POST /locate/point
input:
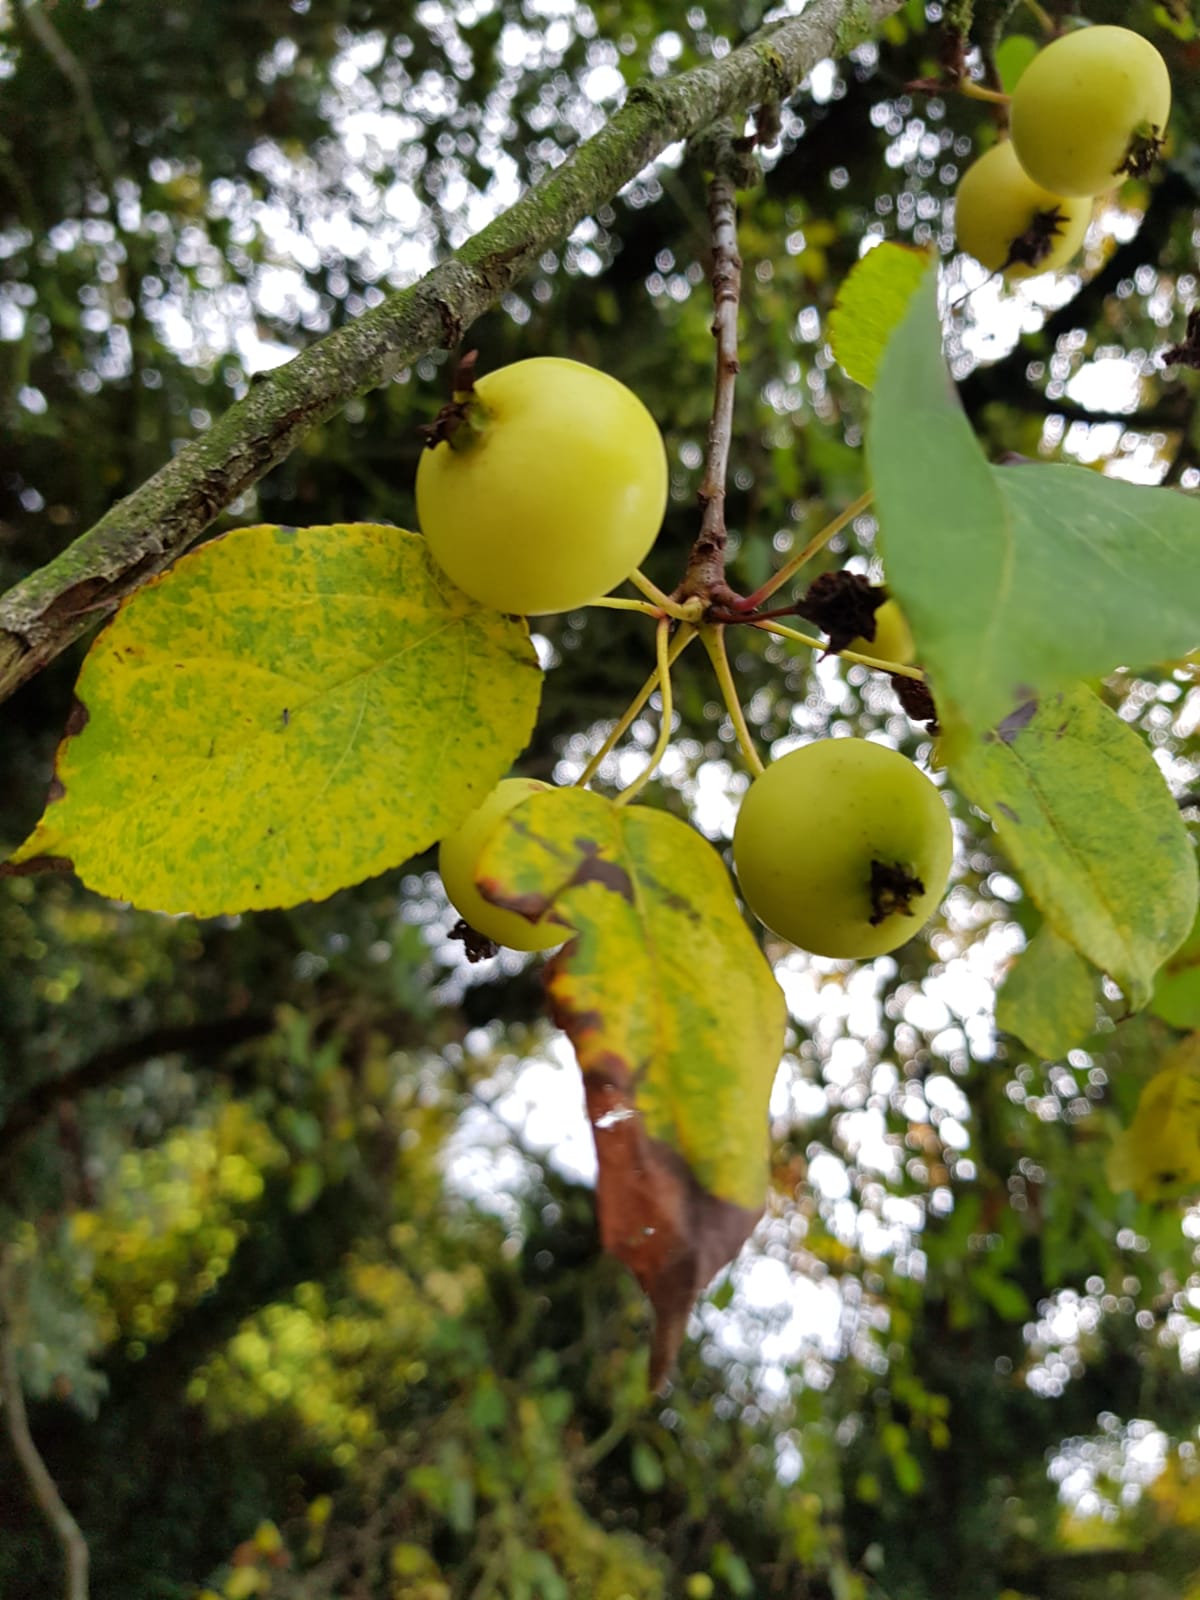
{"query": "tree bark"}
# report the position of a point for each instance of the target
(145, 532)
(198, 1040)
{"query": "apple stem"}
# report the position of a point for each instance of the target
(1043, 18)
(662, 676)
(751, 602)
(678, 645)
(612, 603)
(895, 669)
(714, 642)
(462, 409)
(705, 575)
(689, 611)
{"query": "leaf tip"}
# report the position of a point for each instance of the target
(673, 1234)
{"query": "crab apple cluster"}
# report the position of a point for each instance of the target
(842, 847)
(543, 488)
(1089, 110)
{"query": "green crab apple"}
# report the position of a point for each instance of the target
(893, 639)
(844, 847)
(549, 492)
(458, 854)
(1089, 109)
(1011, 224)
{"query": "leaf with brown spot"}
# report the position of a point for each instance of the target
(677, 1023)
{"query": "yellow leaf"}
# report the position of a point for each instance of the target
(243, 1582)
(676, 1020)
(870, 303)
(289, 710)
(1158, 1155)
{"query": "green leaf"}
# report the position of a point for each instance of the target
(676, 1020)
(1016, 580)
(1174, 21)
(289, 710)
(1158, 1155)
(488, 1410)
(1176, 997)
(1083, 813)
(1013, 55)
(722, 1296)
(1048, 996)
(869, 305)
(733, 1571)
(1006, 1298)
(647, 1469)
(307, 1182)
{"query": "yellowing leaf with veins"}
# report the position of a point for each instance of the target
(287, 711)
(677, 1022)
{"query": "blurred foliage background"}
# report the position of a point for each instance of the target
(299, 1261)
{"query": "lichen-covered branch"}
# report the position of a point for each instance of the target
(147, 530)
(42, 1486)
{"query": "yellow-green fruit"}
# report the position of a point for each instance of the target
(1087, 107)
(1010, 223)
(893, 639)
(550, 493)
(457, 856)
(843, 847)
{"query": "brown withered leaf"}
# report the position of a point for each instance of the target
(677, 1023)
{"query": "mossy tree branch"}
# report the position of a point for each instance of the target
(146, 531)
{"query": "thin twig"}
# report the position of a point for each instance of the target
(705, 575)
(42, 1486)
(35, 17)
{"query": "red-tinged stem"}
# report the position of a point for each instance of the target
(751, 602)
